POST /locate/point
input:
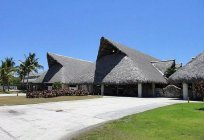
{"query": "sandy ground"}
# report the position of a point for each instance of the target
(61, 120)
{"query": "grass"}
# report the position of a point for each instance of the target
(176, 122)
(21, 100)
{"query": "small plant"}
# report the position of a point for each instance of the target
(57, 85)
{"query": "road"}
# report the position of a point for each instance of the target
(58, 120)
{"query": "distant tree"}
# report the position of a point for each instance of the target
(15, 81)
(7, 70)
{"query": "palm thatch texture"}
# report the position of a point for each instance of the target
(63, 69)
(32, 77)
(191, 72)
(115, 64)
(164, 66)
(118, 64)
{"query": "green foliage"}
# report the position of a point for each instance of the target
(15, 81)
(170, 71)
(57, 85)
(21, 71)
(30, 64)
(7, 70)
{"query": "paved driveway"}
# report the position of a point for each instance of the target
(54, 121)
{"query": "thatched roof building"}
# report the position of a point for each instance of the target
(118, 64)
(31, 78)
(191, 72)
(63, 69)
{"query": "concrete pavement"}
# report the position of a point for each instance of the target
(55, 121)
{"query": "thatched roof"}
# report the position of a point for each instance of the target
(32, 77)
(163, 66)
(191, 72)
(63, 69)
(178, 66)
(118, 64)
(40, 78)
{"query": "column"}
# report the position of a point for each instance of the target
(102, 90)
(140, 90)
(185, 91)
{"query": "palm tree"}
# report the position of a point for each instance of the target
(10, 65)
(7, 70)
(3, 74)
(21, 71)
(31, 64)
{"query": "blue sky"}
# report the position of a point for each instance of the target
(166, 29)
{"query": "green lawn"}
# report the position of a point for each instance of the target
(176, 122)
(20, 100)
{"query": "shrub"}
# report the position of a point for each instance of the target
(199, 90)
(56, 93)
(57, 85)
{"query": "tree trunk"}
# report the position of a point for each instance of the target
(27, 82)
(23, 80)
(8, 85)
(23, 85)
(3, 88)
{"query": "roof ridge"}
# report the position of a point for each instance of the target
(70, 57)
(163, 61)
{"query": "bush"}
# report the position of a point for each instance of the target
(55, 93)
(199, 90)
(57, 85)
(172, 91)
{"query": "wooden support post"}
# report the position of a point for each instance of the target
(102, 90)
(185, 91)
